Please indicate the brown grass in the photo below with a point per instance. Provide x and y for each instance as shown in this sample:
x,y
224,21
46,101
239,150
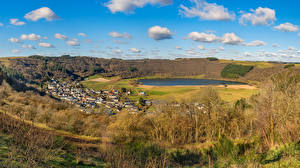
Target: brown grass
x,y
100,80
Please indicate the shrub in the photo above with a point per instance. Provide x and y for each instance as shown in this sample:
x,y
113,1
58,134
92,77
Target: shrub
x,y
134,155
212,59
142,101
186,157
235,71
289,66
133,69
38,57
225,148
98,70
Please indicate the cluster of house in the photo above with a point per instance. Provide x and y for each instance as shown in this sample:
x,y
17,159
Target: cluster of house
x,y
88,99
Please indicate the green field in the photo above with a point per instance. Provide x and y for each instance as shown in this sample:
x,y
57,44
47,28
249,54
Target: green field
x,y
169,93
101,85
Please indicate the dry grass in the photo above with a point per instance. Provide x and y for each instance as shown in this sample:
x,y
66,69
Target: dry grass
x,y
248,63
100,80
67,135
6,60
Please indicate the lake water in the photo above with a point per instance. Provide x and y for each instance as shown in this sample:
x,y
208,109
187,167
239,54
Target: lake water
x,y
186,82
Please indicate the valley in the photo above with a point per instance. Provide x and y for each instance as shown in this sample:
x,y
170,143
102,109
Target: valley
x,y
101,115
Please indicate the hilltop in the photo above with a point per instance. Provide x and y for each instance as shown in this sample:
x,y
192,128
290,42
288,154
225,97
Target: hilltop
x,y
40,69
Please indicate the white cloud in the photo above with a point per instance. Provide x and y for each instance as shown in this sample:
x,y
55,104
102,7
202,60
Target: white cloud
x,y
221,48
288,54
32,37
191,51
270,54
206,11
247,54
88,41
60,36
200,47
1,24
228,38
42,13
159,33
14,40
298,34
135,50
287,27
120,42
178,48
232,39
128,6
82,34
260,16
15,51
46,45
16,22
203,37
275,45
28,46
291,48
73,42
119,35
256,43
117,51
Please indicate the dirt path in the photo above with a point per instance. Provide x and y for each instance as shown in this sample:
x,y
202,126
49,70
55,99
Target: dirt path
x,y
100,80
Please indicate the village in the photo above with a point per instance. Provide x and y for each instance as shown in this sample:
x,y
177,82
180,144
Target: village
x,y
89,100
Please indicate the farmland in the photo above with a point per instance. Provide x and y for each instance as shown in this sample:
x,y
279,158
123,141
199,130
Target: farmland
x,y
229,93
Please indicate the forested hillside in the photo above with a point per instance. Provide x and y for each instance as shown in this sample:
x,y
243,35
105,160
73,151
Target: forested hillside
x,y
38,68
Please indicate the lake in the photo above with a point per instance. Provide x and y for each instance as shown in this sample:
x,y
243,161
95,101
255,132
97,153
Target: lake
x,y
186,82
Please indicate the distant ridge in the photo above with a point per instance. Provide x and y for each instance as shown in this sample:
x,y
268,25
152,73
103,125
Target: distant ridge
x,y
40,68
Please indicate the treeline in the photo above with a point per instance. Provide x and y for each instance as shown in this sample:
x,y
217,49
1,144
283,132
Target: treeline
x,y
15,79
39,68
11,73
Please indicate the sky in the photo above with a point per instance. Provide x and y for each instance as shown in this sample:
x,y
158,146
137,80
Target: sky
x,y
254,30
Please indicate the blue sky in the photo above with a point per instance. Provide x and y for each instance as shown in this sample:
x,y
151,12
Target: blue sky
x,y
232,29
